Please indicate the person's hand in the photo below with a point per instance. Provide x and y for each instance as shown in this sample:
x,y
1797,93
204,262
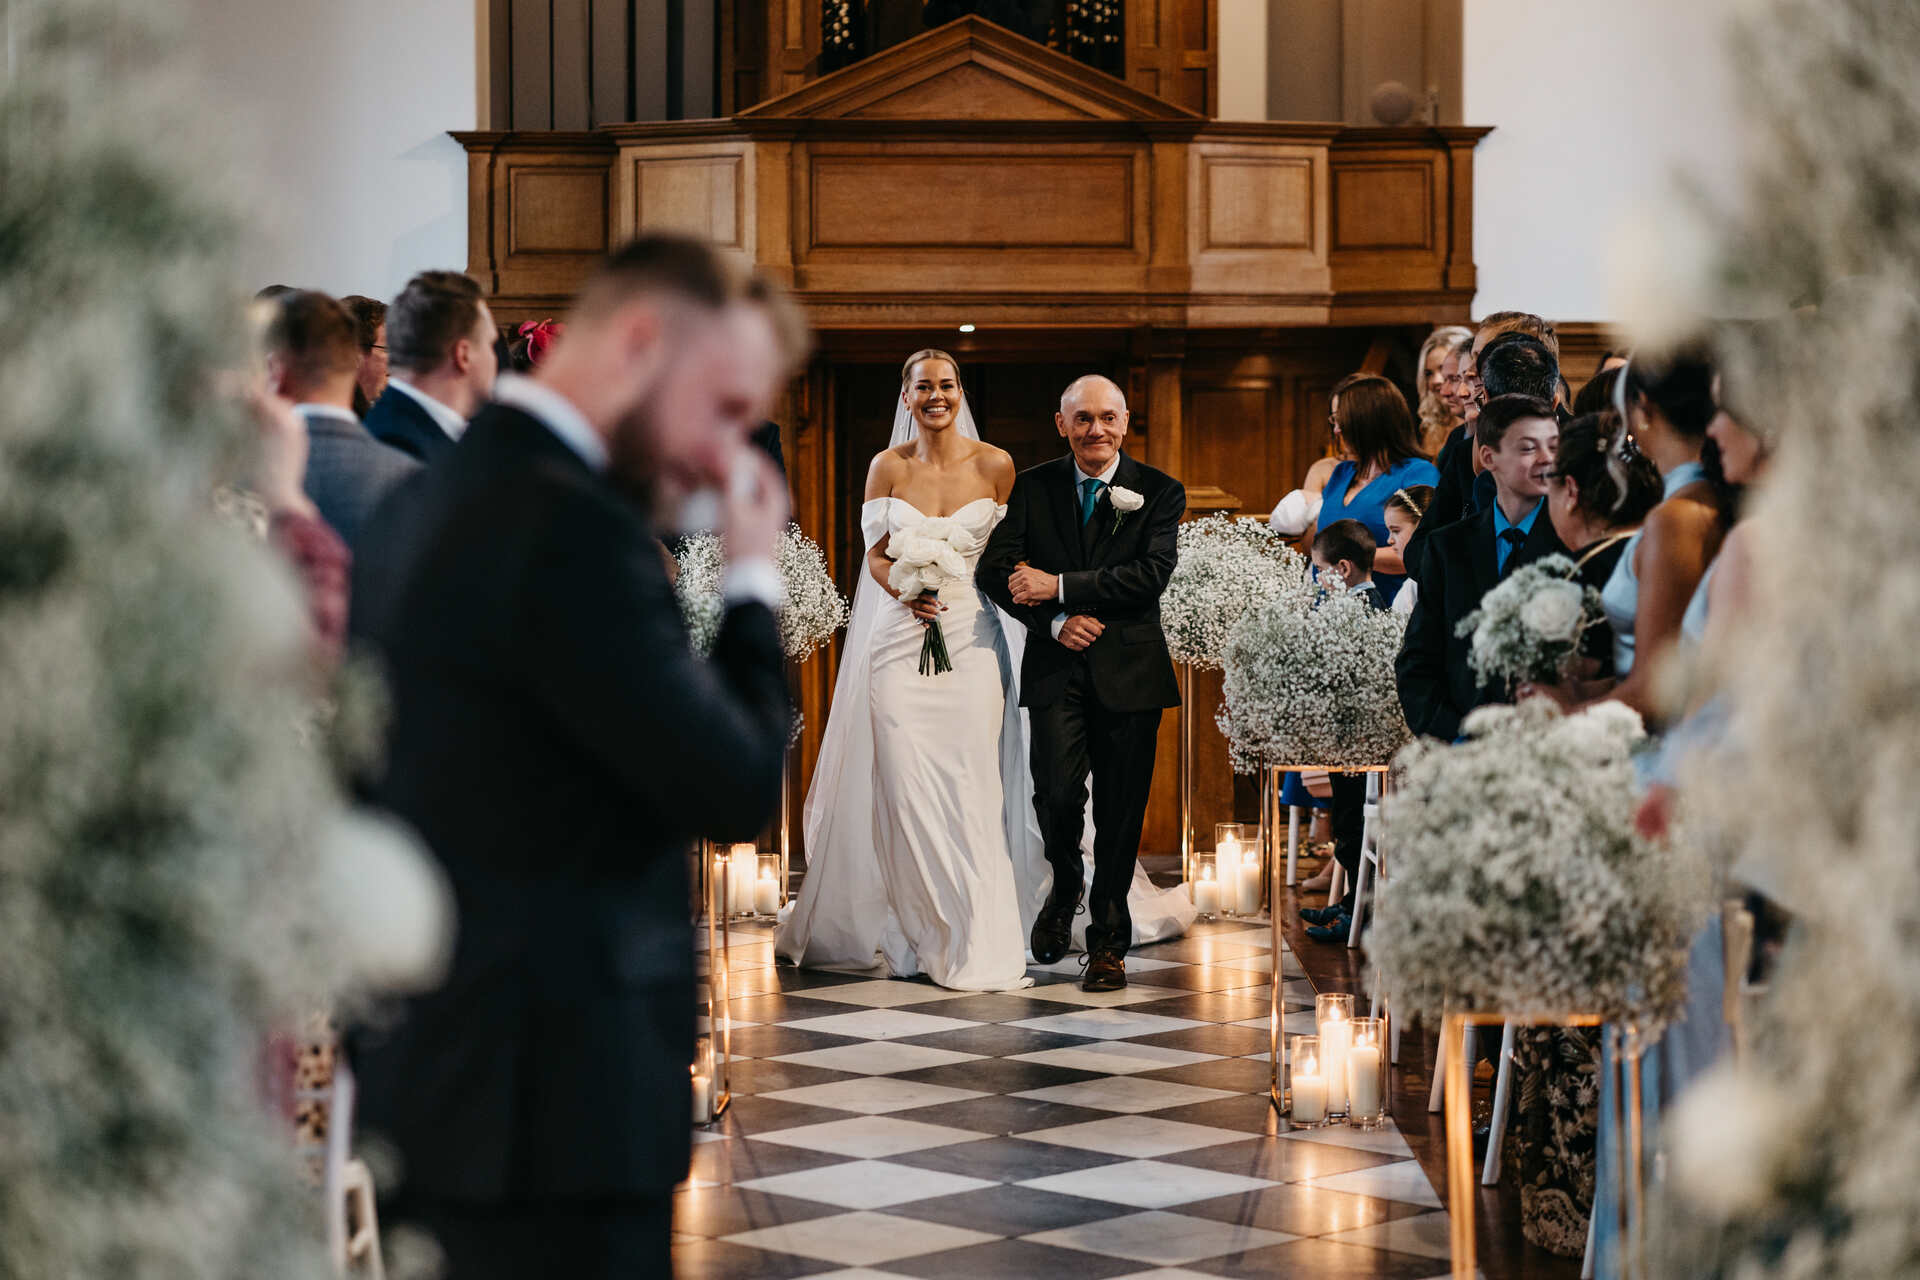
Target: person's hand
x,y
925,607
754,508
280,476
1029,585
1654,818
1562,695
1079,631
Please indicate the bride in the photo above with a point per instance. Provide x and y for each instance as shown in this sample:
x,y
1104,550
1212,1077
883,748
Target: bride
x,y
923,852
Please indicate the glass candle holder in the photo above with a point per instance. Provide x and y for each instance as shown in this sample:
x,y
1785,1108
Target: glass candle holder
x,y
1333,1020
767,889
1240,865
1205,887
704,1083
742,860
1306,1084
1367,1074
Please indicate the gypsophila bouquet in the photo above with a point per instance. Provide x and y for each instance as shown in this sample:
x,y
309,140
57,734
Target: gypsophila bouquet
x,y
930,557
1225,566
1520,885
1312,685
813,611
1529,627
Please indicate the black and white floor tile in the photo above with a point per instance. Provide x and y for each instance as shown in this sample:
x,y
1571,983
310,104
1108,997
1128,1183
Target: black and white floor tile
x,y
885,1128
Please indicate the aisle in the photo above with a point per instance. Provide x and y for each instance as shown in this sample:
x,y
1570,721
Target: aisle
x,y
884,1128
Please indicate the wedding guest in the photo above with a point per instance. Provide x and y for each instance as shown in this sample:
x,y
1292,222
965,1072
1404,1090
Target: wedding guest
x,y
440,339
1516,437
1345,550
1402,516
1438,413
559,750
1596,394
1667,406
1525,322
370,319
1295,513
268,293
294,525
1600,491
1453,385
312,355
1371,416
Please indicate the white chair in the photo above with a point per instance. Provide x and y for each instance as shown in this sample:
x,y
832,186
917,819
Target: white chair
x,y
1293,844
353,1223
1436,1098
1369,859
1502,1090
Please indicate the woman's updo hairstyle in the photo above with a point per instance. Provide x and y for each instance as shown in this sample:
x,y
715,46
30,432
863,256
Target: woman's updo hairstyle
x,y
1618,483
926,353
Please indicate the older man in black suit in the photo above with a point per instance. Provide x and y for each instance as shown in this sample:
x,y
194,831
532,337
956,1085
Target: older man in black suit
x,y
313,354
1081,558
559,749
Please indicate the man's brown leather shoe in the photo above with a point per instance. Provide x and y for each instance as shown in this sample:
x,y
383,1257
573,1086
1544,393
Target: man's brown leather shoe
x,y
1106,971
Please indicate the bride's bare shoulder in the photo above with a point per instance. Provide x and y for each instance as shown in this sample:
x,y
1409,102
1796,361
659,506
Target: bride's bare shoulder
x,y
887,469
996,465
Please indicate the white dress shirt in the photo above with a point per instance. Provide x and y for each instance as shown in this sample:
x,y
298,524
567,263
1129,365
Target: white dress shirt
x,y
1079,478
443,416
751,579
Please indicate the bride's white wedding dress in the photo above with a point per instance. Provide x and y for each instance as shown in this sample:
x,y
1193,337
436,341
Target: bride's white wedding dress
x,y
923,855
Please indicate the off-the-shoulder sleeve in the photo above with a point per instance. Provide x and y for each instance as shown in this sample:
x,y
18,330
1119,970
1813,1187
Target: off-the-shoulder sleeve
x,y
873,520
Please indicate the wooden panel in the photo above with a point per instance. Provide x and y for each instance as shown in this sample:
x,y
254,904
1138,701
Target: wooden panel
x,y
532,65
499,114
552,209
650,59
1253,203
971,93
612,75
971,202
701,194
572,69
1386,205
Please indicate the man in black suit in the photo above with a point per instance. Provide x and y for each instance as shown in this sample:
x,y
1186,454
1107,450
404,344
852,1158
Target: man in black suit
x,y
313,357
1081,558
559,749
1517,437
441,365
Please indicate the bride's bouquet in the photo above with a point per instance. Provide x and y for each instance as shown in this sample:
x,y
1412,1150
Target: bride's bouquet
x,y
928,558
814,607
1529,627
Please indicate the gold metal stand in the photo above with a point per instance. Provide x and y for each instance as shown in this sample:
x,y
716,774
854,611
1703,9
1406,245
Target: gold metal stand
x,y
719,976
1187,871
1462,1186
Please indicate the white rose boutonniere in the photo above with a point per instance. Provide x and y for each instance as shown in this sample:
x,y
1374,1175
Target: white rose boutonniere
x,y
1125,502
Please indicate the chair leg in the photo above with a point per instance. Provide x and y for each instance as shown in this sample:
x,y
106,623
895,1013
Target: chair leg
x,y
1438,1094
1360,879
1393,1036
1502,1089
1293,845
1586,1259
1337,887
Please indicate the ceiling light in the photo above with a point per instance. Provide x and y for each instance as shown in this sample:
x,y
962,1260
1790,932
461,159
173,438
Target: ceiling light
x,y
966,328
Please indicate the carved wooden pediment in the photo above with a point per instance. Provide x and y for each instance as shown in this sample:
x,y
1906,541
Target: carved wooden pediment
x,y
969,69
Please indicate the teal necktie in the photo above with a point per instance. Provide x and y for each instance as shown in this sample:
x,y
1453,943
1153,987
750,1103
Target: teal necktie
x,y
1089,498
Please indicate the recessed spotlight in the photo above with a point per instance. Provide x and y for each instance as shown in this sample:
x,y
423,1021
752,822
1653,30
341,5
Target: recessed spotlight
x,y
966,328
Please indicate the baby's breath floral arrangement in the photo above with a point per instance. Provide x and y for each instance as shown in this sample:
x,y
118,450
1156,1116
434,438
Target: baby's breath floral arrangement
x,y
814,607
1312,685
1225,566
1519,882
1529,627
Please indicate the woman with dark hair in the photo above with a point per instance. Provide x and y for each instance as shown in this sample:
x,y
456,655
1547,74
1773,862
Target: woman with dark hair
x,y
1596,394
1665,409
370,326
1601,490
1371,417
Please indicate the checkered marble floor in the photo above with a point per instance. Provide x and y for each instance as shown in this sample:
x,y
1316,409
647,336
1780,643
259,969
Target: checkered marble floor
x,y
886,1128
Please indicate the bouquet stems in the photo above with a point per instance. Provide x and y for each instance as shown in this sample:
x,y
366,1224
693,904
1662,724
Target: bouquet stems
x,y
933,646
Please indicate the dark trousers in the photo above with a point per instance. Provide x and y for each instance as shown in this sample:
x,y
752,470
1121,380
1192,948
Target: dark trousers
x,y
615,1239
1074,737
1349,819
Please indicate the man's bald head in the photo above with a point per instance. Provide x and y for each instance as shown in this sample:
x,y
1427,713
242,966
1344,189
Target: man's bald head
x,y
1093,421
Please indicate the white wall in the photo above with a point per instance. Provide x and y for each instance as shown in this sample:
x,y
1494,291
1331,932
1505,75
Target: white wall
x,y
349,102
1595,108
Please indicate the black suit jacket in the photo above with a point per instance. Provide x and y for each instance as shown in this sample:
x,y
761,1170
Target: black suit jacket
x,y
401,422
1115,575
1374,599
559,750
1437,688
1451,500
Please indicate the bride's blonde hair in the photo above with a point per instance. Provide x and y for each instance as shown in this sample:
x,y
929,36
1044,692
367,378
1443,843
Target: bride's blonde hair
x,y
927,353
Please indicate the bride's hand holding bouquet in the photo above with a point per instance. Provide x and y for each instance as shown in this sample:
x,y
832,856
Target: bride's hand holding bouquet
x,y
930,557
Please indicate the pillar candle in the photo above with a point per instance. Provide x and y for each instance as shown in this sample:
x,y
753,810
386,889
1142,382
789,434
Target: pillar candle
x,y
1363,1079
766,894
1309,1096
702,1099
1336,1041
1247,886
1206,893
1227,854
740,884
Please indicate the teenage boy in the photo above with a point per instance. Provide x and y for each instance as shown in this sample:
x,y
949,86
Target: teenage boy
x,y
1344,551
1517,437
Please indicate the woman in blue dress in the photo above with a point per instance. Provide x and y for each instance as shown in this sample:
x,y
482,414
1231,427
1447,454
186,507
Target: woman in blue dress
x,y
1371,417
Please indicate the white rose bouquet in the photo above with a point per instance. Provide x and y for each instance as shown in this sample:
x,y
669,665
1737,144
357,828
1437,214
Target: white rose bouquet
x,y
1225,566
928,558
813,611
1520,884
1530,626
1312,685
